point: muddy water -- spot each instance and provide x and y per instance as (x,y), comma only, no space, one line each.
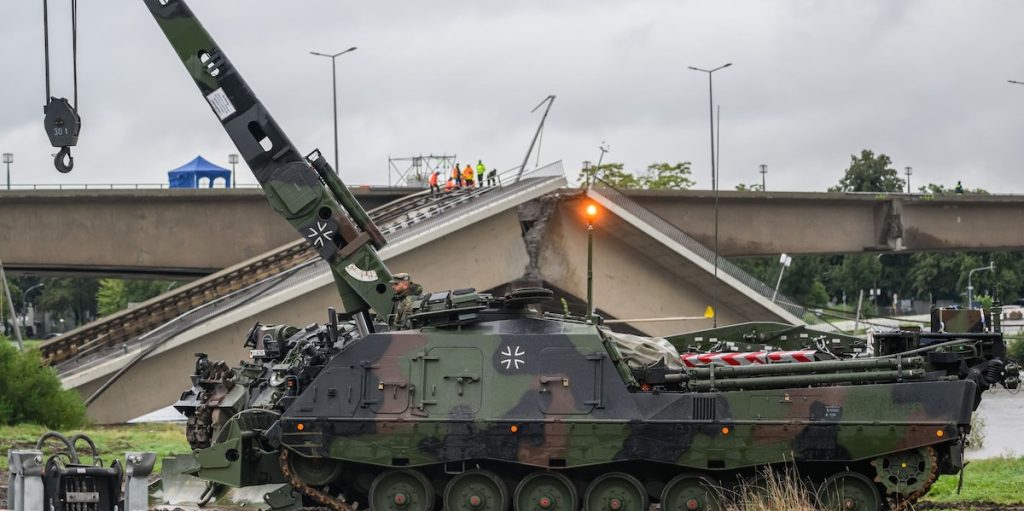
(1004,425)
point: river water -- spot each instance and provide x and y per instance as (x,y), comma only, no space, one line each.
(1004,425)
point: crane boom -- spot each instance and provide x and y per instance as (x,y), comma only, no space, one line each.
(306,191)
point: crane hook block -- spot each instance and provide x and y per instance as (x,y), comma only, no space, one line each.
(62,126)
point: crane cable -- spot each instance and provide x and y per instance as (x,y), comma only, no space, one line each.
(62,121)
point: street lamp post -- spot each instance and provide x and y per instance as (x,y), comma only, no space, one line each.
(970,288)
(785,261)
(764,171)
(8,160)
(10,307)
(334,82)
(591,213)
(604,148)
(908,171)
(233,160)
(714,174)
(24,303)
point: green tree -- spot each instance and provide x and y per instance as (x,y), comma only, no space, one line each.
(30,392)
(658,176)
(612,174)
(936,189)
(1016,349)
(801,282)
(869,173)
(666,176)
(755,187)
(70,296)
(115,294)
(111,296)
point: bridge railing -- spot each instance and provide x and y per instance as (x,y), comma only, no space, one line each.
(724,265)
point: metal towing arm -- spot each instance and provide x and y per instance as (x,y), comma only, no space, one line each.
(304,190)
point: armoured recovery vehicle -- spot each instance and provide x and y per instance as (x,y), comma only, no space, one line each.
(473,401)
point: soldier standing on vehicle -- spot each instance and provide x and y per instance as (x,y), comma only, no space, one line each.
(406,292)
(481,172)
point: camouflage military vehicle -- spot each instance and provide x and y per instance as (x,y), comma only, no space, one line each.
(478,402)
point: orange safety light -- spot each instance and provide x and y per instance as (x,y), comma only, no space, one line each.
(514,428)
(300,426)
(591,212)
(939,433)
(725,430)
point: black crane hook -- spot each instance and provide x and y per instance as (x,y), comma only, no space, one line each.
(62,126)
(64,161)
(61,119)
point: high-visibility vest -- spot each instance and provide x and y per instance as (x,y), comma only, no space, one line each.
(455,173)
(467,173)
(480,170)
(433,179)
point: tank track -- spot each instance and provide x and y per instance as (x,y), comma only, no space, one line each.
(317,495)
(337,504)
(908,503)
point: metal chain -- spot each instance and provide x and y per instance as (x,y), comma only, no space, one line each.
(318,495)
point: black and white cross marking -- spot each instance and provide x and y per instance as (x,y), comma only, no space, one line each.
(319,233)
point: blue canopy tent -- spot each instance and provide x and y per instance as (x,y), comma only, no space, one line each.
(190,174)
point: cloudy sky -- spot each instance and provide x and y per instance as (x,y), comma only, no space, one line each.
(811,83)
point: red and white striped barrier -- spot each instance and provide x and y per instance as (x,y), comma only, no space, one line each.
(747,358)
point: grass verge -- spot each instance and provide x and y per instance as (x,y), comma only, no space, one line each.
(112,441)
(999,480)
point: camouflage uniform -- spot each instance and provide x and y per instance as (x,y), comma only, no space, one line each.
(403,303)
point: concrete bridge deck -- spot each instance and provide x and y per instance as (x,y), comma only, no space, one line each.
(188,233)
(181,233)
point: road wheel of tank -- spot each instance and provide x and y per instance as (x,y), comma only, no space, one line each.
(906,474)
(545,491)
(849,491)
(615,491)
(401,490)
(476,490)
(689,492)
(314,471)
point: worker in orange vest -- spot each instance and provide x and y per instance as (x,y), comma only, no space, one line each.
(467,176)
(433,183)
(457,176)
(450,185)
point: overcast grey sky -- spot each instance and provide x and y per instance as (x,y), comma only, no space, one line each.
(811,83)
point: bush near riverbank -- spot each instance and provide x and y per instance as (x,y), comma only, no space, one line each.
(31,392)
